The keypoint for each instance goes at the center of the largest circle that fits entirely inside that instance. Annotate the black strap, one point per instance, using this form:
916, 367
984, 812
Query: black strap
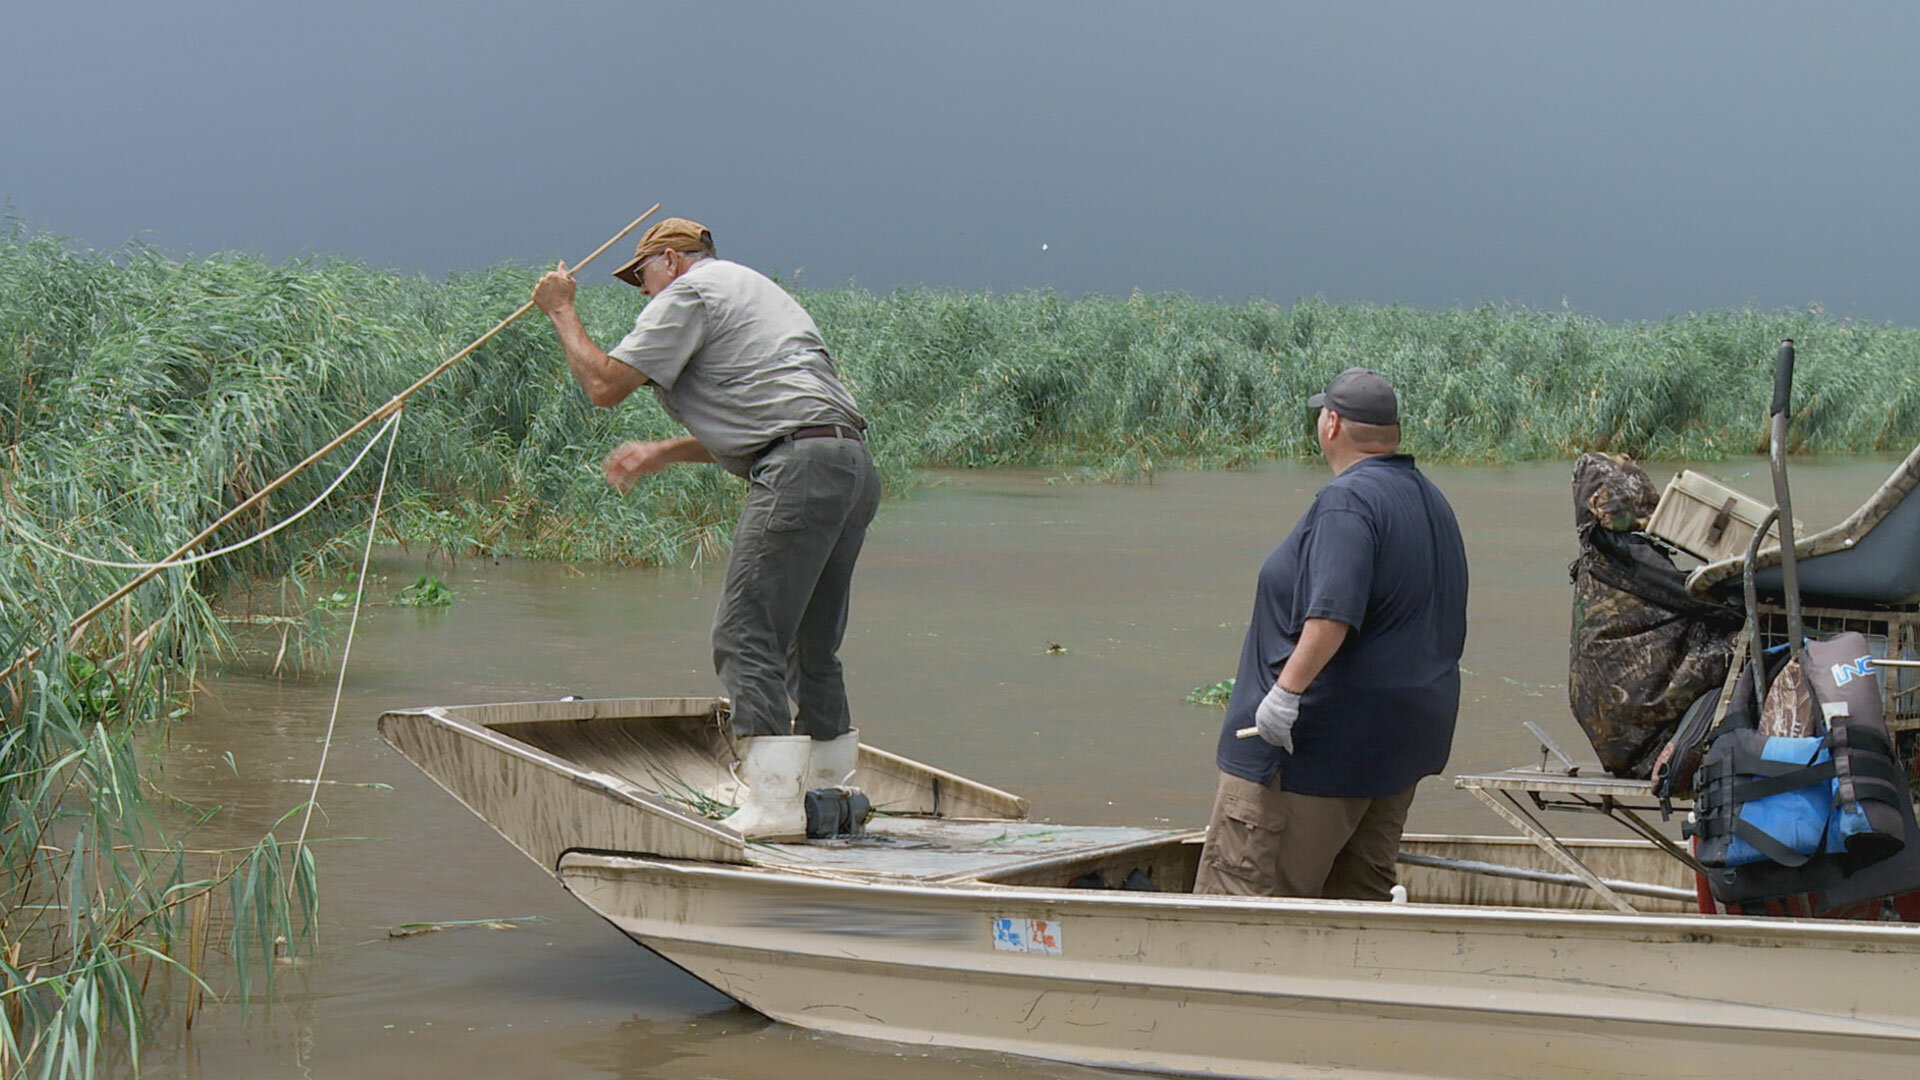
1871, 767
1877, 789
1771, 848
1860, 739
1871, 770
1748, 762
1797, 777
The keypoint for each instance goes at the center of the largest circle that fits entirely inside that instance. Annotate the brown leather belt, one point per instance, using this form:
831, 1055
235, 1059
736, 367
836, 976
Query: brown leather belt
821, 431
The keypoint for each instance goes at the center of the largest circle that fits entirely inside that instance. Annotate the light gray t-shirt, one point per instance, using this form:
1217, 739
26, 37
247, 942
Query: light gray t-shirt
735, 359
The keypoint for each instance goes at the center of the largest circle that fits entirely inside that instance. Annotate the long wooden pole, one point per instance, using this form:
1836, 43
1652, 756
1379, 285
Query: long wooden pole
80, 622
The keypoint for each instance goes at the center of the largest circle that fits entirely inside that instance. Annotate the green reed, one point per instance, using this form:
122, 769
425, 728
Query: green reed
141, 396
1041, 379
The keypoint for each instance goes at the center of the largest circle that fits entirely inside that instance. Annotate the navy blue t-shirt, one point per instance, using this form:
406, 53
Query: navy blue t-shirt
1379, 550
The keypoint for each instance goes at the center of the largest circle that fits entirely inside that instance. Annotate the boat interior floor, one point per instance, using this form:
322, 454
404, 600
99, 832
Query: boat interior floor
1501, 871
991, 850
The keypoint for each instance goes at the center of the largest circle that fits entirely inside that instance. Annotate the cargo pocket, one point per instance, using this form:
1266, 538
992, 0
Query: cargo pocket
1243, 843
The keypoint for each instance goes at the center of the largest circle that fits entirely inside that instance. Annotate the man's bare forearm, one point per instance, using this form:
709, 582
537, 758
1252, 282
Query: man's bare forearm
1319, 640
687, 450
632, 460
606, 381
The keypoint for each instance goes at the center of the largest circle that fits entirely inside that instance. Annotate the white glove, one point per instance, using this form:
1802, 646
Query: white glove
1275, 717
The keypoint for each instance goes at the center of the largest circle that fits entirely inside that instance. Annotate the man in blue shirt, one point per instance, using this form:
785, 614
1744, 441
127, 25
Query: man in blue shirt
1349, 680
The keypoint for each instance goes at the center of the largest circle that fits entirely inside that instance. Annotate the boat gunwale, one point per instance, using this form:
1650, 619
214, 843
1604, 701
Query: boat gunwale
468, 719
612, 783
609, 784
1704, 929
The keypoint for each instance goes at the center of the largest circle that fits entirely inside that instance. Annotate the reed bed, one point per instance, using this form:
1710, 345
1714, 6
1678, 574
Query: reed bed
1039, 379
141, 396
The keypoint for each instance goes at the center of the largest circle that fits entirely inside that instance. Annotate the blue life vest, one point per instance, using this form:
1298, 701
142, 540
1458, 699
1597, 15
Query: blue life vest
1785, 800
1828, 818
1764, 798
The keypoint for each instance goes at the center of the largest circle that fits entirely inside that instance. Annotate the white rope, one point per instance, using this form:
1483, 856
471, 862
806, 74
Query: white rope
346, 648
21, 530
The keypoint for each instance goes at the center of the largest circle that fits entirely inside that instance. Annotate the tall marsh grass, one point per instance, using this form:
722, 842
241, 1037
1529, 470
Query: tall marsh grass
141, 396
1040, 379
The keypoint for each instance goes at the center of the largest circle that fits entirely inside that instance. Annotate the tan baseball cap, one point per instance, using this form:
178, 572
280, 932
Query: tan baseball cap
671, 234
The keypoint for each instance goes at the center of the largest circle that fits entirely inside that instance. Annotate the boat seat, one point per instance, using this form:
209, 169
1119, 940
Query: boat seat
1871, 559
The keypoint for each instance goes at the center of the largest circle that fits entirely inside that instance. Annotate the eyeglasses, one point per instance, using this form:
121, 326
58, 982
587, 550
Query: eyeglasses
639, 273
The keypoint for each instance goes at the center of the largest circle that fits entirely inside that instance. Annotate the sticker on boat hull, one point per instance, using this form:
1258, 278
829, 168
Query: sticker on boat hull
1027, 935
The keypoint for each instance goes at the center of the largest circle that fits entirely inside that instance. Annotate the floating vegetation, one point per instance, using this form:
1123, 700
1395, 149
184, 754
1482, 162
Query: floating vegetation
372, 785
413, 929
427, 591
1211, 694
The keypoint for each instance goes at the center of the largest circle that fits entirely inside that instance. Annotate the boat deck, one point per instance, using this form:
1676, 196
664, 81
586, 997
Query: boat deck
943, 849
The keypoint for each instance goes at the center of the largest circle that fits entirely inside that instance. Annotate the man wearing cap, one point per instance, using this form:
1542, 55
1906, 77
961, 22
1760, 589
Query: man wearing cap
738, 362
1350, 674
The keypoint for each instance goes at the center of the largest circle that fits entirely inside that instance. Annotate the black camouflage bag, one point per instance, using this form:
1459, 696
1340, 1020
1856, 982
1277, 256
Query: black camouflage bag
1643, 649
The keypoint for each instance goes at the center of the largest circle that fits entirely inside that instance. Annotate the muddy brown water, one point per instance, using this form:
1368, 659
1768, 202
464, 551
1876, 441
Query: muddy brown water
964, 587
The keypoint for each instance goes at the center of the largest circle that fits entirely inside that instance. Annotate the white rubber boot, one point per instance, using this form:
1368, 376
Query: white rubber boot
832, 762
771, 768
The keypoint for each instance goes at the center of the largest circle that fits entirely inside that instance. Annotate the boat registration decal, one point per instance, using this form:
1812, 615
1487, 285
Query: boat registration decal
1027, 935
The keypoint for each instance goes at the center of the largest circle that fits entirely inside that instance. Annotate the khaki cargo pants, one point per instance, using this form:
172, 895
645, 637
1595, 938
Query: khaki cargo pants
1262, 841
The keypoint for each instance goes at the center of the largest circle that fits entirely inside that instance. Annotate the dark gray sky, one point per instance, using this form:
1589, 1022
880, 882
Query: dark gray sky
1631, 159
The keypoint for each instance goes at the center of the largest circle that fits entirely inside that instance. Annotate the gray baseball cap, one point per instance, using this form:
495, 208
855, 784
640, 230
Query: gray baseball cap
1360, 395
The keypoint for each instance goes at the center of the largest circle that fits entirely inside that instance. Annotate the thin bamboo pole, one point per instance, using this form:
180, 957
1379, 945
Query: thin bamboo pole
80, 622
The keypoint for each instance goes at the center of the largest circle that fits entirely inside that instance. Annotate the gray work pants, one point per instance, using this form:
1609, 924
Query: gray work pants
783, 608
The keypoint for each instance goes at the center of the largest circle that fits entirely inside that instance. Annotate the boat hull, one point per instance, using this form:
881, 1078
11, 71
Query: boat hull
1278, 988
956, 921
